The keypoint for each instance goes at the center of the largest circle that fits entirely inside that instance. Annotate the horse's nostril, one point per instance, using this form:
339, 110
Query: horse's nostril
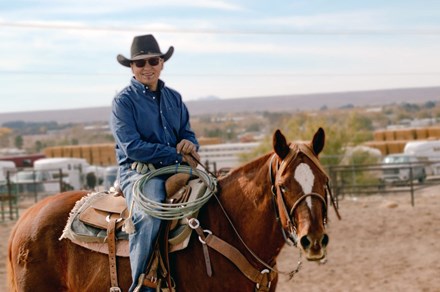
324, 240
305, 242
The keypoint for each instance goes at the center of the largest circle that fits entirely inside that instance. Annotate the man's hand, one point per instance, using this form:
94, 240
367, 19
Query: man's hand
186, 147
189, 152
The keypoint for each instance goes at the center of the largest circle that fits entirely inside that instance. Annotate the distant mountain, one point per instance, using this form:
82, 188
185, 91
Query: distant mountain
287, 103
315, 101
209, 97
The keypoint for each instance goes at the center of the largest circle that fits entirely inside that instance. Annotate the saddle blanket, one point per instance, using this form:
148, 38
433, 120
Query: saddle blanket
88, 236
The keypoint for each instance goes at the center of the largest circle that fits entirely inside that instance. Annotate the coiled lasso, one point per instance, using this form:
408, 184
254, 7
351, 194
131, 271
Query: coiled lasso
172, 211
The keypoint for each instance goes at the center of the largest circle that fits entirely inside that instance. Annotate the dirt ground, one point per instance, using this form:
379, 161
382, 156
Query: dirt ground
381, 244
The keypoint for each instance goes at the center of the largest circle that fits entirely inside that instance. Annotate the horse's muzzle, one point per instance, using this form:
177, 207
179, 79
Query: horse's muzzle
314, 247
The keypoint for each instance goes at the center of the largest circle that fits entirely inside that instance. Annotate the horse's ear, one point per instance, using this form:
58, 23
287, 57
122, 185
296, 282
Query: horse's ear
318, 141
280, 144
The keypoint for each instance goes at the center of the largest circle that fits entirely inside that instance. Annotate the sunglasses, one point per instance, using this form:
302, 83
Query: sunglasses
151, 61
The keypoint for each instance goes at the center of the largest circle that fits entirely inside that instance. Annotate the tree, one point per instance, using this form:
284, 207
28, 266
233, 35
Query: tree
38, 146
429, 104
361, 126
342, 129
303, 126
5, 134
18, 142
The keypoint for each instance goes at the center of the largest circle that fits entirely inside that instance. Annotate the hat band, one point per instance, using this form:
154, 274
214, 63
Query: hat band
146, 53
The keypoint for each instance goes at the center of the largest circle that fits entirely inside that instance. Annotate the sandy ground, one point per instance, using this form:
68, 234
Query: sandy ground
381, 244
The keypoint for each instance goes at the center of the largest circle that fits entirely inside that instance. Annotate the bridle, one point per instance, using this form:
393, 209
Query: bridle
264, 277
278, 200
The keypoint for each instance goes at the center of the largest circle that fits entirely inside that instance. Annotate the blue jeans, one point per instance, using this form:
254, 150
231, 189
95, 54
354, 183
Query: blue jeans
142, 241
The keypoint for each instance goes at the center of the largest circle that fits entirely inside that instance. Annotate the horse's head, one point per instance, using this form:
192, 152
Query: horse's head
300, 185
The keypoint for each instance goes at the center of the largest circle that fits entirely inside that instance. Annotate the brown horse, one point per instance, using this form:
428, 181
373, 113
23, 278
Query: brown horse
278, 197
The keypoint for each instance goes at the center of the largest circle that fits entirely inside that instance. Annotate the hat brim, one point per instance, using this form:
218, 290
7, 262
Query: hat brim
126, 61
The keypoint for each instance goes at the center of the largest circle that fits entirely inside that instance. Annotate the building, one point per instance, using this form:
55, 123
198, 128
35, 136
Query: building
227, 155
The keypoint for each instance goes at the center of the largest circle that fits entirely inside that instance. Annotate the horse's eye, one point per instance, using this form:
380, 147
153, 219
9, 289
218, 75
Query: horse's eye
283, 188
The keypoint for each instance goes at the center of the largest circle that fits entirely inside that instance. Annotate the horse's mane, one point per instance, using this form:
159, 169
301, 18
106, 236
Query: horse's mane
256, 163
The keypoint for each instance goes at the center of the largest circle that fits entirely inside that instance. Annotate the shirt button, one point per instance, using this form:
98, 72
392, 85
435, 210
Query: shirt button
168, 144
143, 91
154, 97
161, 162
165, 128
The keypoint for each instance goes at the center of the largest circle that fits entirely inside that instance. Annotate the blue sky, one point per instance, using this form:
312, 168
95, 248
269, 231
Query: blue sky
57, 54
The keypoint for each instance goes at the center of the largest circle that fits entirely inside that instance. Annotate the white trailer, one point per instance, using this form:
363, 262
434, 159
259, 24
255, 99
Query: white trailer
428, 150
72, 169
5, 167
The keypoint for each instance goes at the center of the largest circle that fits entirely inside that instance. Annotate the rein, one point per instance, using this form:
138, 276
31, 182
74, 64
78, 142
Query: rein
194, 224
233, 254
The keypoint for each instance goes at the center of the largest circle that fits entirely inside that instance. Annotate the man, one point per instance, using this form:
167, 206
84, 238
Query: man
150, 124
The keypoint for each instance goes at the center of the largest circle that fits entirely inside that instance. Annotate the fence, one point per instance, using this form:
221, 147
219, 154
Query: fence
27, 185
355, 180
8, 201
351, 180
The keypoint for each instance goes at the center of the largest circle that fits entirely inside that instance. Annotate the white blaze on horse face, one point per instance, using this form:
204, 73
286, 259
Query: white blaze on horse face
304, 176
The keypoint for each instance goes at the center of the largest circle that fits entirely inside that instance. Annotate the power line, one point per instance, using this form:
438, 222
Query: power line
226, 31
232, 75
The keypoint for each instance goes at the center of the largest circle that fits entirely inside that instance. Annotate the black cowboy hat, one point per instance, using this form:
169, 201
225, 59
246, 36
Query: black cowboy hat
143, 47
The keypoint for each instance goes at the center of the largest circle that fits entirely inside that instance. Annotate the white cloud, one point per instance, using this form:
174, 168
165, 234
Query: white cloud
84, 8
324, 21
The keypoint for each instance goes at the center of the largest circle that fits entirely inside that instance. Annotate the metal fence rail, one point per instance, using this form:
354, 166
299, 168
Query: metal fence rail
13, 192
8, 201
355, 180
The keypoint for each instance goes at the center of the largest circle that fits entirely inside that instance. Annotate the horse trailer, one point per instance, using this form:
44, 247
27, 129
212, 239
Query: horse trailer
72, 169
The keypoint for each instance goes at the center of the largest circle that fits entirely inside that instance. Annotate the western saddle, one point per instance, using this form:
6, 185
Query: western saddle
108, 214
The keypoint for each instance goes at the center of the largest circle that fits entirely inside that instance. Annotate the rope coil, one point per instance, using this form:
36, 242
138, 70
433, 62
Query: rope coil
173, 211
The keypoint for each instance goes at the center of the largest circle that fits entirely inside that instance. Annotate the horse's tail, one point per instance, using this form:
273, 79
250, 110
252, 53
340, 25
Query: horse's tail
12, 284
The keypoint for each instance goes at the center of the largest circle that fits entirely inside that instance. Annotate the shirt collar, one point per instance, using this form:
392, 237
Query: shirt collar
140, 86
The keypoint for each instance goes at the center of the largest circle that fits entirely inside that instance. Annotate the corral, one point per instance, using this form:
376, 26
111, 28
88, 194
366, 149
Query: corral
381, 244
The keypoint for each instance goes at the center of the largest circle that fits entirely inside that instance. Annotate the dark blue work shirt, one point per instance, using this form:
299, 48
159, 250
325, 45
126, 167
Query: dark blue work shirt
146, 130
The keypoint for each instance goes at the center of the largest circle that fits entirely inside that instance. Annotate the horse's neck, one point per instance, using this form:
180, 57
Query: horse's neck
247, 198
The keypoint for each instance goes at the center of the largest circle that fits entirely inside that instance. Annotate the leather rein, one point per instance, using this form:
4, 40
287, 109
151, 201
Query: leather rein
264, 277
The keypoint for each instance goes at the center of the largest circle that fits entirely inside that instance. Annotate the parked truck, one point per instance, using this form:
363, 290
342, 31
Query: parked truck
400, 168
427, 150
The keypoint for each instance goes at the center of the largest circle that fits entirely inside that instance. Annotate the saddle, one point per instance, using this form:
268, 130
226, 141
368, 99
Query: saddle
100, 224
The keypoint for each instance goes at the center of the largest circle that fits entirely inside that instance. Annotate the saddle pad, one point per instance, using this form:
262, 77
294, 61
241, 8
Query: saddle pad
122, 247
77, 230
